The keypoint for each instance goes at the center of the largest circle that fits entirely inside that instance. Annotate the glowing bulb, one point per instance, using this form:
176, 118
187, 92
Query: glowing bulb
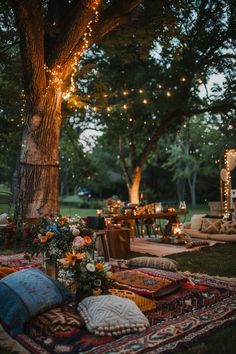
125, 106
168, 94
140, 91
145, 101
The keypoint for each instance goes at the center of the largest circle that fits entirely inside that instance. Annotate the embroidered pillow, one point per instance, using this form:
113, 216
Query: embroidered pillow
228, 227
153, 262
26, 293
4, 271
59, 319
112, 315
211, 226
148, 281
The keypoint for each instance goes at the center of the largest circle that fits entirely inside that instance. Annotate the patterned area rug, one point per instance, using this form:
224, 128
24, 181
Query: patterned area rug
154, 247
18, 261
203, 305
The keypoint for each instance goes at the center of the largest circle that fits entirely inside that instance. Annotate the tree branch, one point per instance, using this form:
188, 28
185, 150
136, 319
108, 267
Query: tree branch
114, 16
176, 118
76, 21
29, 19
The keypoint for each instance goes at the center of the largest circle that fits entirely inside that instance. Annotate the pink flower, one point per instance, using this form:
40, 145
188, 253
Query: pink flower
78, 242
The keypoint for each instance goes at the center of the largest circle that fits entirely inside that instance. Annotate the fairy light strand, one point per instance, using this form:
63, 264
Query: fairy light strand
227, 184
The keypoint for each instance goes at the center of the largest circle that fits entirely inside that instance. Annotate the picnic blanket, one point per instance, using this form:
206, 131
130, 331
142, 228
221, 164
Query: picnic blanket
202, 306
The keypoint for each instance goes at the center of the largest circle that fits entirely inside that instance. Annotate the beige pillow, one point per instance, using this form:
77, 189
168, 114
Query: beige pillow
228, 227
112, 315
196, 221
211, 226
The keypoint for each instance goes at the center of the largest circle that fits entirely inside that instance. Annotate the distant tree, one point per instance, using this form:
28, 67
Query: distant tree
149, 85
197, 150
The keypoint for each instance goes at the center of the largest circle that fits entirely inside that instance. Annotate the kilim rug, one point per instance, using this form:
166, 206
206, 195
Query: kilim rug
18, 261
202, 306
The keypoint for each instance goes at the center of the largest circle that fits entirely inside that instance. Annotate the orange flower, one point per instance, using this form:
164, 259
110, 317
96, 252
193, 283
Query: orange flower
50, 234
87, 240
42, 238
99, 266
71, 258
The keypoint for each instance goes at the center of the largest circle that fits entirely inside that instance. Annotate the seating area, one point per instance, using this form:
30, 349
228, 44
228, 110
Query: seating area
209, 228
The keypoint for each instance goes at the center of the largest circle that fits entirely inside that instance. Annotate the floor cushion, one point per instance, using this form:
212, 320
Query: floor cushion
26, 293
4, 271
211, 226
153, 262
223, 237
196, 221
148, 281
59, 319
196, 234
112, 315
228, 227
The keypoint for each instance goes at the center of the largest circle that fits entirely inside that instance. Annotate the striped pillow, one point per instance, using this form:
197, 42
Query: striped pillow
153, 262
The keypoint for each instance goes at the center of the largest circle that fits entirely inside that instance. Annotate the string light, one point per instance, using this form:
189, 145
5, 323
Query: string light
145, 101
227, 182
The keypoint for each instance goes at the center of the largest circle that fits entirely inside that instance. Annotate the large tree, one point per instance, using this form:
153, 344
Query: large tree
140, 97
53, 37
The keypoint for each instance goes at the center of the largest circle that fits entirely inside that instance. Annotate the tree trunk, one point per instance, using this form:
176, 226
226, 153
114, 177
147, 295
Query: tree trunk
192, 187
133, 188
180, 186
39, 165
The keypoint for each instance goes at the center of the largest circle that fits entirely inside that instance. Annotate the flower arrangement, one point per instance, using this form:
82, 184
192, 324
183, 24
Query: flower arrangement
71, 243
54, 235
89, 275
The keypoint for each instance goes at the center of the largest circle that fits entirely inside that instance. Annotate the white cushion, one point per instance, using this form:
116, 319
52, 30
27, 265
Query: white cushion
196, 221
112, 315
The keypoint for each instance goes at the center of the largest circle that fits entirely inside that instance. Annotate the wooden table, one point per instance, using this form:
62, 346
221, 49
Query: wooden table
171, 216
113, 242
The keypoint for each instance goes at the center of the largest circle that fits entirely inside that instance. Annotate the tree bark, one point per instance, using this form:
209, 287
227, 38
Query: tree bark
134, 186
39, 166
192, 187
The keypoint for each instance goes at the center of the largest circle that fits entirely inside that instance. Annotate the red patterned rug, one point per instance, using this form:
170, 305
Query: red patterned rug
202, 306
19, 261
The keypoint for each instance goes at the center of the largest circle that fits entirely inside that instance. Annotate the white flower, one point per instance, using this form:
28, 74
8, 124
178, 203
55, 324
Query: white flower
90, 267
75, 232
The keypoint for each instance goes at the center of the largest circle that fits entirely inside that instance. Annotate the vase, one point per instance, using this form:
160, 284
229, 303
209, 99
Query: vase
49, 265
